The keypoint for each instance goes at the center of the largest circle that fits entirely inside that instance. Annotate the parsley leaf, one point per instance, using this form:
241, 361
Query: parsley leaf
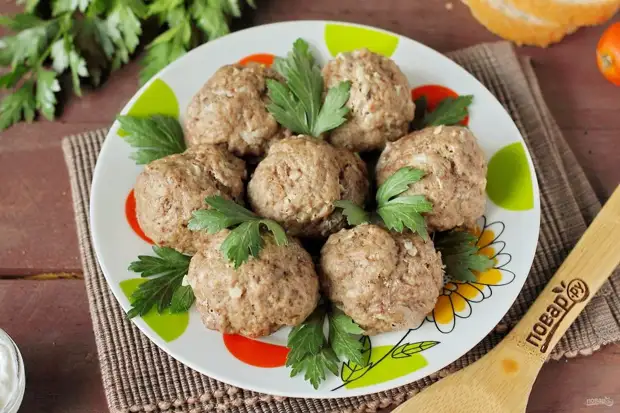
450, 111
47, 85
171, 44
333, 113
243, 241
60, 55
20, 21
11, 78
182, 299
63, 6
77, 64
397, 183
400, 212
341, 337
315, 366
20, 104
355, 214
210, 18
154, 137
313, 354
157, 57
460, 255
306, 338
169, 267
303, 78
297, 105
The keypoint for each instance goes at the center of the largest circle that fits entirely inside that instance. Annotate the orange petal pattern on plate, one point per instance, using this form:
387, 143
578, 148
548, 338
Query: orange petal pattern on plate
254, 352
132, 219
435, 94
262, 58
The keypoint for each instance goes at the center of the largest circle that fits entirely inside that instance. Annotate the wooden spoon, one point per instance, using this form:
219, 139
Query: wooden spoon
501, 381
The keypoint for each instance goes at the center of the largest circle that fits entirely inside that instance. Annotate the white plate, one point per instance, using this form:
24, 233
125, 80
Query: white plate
465, 313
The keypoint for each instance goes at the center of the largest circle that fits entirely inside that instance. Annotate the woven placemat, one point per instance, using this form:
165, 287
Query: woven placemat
139, 377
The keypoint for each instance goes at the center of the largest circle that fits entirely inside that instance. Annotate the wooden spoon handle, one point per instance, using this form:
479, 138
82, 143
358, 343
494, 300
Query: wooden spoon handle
590, 263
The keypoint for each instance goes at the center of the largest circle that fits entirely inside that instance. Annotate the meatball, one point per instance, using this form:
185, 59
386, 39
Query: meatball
299, 180
171, 188
380, 100
385, 281
279, 288
231, 108
455, 169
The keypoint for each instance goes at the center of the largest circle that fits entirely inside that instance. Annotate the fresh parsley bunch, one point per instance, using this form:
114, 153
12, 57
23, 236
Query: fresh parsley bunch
87, 39
245, 239
164, 290
314, 354
299, 105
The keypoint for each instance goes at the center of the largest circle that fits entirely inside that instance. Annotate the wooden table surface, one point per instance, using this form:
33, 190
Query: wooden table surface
49, 318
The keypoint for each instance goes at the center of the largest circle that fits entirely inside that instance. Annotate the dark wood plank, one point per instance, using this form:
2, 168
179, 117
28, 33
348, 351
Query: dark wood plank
50, 323
570, 385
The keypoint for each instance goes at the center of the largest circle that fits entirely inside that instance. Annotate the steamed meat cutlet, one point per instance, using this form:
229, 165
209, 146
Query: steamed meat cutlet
169, 189
380, 100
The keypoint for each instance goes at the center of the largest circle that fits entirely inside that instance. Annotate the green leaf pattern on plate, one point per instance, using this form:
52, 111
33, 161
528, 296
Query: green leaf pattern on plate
509, 182
385, 363
341, 38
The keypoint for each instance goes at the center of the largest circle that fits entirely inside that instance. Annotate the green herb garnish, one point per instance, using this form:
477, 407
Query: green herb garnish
87, 39
154, 137
460, 255
164, 291
398, 212
246, 238
298, 105
314, 354
450, 111
355, 214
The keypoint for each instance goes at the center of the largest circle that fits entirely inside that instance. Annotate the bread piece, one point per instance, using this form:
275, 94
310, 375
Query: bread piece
508, 22
569, 12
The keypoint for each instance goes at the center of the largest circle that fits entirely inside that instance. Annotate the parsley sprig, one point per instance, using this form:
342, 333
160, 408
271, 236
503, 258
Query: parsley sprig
153, 137
399, 212
461, 255
450, 111
298, 105
314, 354
245, 239
355, 214
88, 39
165, 289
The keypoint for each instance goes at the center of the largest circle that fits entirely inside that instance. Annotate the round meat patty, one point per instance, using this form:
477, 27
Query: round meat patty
279, 288
385, 281
299, 180
456, 171
171, 188
380, 100
231, 108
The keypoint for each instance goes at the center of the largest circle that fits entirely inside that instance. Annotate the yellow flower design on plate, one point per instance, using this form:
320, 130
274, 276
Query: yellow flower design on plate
456, 298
